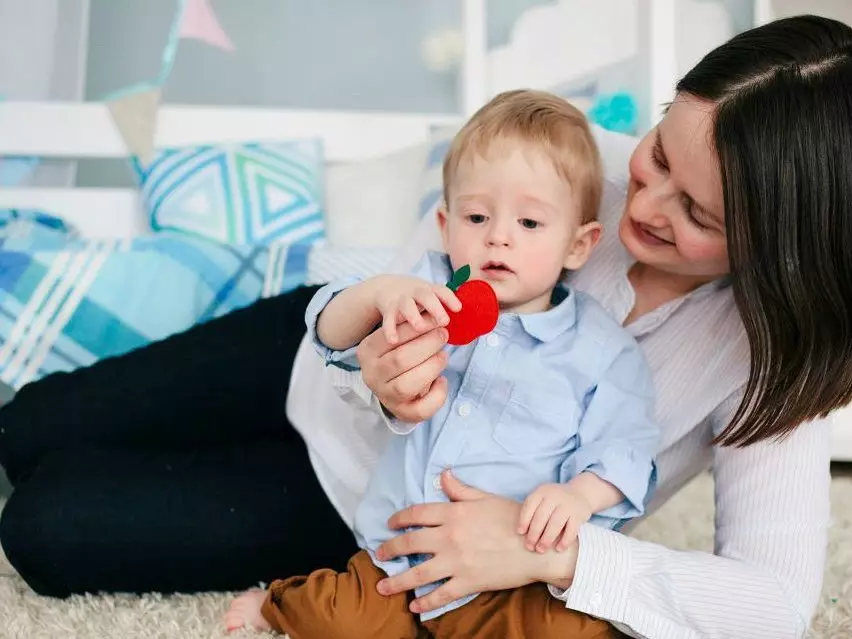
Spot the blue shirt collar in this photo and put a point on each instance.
(549, 324)
(545, 325)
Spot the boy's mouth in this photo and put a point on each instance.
(496, 268)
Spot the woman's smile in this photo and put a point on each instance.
(644, 235)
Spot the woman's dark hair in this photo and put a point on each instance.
(783, 132)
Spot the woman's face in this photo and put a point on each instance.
(674, 218)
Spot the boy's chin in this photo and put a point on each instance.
(514, 302)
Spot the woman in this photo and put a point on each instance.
(176, 468)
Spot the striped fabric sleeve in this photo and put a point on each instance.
(763, 579)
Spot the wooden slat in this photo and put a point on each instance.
(86, 130)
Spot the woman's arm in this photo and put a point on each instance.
(763, 580)
(405, 379)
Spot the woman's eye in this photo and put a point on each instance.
(695, 221)
(689, 208)
(529, 224)
(658, 161)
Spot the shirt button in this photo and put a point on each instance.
(436, 482)
(596, 599)
(464, 410)
(492, 340)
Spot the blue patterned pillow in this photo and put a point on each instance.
(68, 304)
(238, 193)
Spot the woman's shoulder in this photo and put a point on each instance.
(708, 327)
(723, 315)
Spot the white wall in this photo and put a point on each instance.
(27, 31)
(42, 54)
(837, 9)
(313, 54)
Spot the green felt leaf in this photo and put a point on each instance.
(459, 277)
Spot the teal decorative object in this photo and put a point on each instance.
(615, 112)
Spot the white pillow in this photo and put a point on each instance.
(328, 262)
(425, 237)
(373, 203)
(432, 185)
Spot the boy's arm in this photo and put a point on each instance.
(618, 435)
(553, 513)
(349, 316)
(342, 364)
(342, 313)
(599, 493)
(344, 359)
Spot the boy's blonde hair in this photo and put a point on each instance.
(544, 120)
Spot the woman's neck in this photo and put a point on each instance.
(654, 288)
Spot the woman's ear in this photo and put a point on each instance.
(586, 238)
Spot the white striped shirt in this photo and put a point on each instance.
(772, 498)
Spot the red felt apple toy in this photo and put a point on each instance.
(479, 311)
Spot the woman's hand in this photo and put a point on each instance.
(474, 544)
(406, 377)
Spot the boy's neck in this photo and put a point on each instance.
(537, 305)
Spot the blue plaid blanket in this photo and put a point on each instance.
(66, 301)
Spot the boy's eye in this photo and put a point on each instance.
(476, 218)
(529, 224)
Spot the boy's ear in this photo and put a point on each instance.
(443, 225)
(585, 240)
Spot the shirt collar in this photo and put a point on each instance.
(549, 324)
(543, 326)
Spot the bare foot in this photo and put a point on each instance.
(245, 612)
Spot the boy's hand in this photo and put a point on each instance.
(551, 513)
(402, 298)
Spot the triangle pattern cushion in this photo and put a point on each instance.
(197, 202)
(238, 193)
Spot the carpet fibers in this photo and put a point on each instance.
(685, 522)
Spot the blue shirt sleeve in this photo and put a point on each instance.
(342, 359)
(618, 437)
(425, 269)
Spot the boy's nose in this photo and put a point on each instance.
(498, 235)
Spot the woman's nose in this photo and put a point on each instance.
(648, 206)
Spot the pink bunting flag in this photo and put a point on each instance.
(199, 22)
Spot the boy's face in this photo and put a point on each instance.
(516, 222)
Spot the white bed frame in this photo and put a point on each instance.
(86, 130)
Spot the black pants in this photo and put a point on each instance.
(170, 469)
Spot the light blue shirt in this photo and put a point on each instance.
(540, 399)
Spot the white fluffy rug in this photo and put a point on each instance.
(685, 522)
